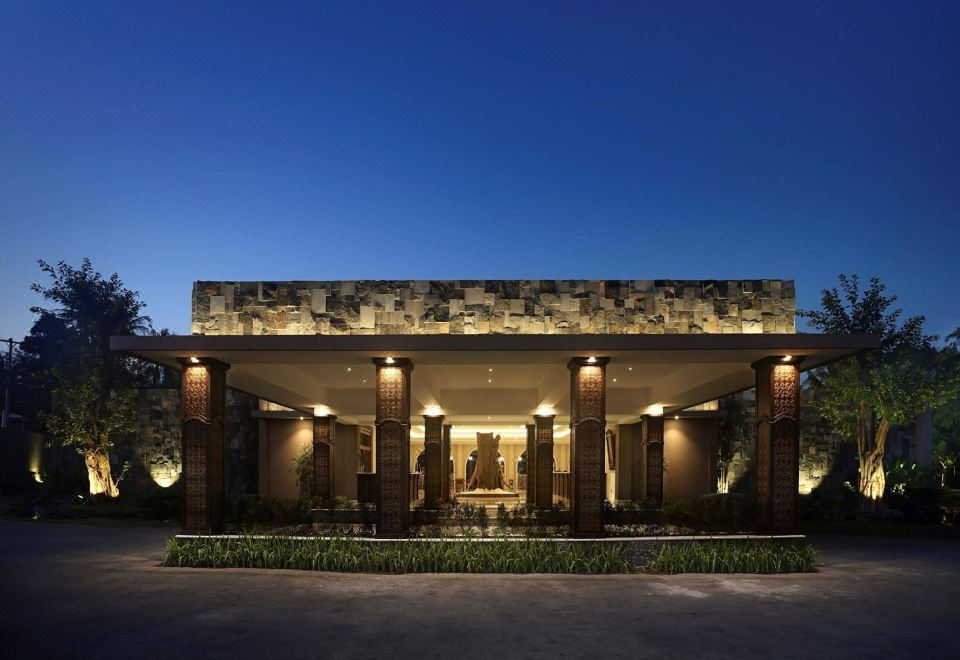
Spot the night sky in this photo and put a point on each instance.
(185, 141)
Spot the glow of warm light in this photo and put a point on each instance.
(490, 369)
(389, 360)
(592, 359)
(322, 411)
(676, 416)
(195, 359)
(786, 358)
(164, 475)
(655, 410)
(544, 411)
(433, 411)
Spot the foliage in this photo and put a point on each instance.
(721, 513)
(355, 556)
(68, 351)
(736, 557)
(946, 426)
(732, 434)
(863, 396)
(303, 469)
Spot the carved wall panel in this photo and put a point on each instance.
(324, 431)
(653, 457)
(543, 480)
(587, 426)
(778, 444)
(393, 445)
(433, 455)
(532, 464)
(196, 394)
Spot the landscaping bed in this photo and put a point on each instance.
(495, 555)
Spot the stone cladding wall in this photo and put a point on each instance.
(388, 307)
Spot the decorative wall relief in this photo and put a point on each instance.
(388, 307)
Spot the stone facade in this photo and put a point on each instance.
(382, 307)
(157, 446)
(155, 453)
(821, 452)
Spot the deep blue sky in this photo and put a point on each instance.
(191, 141)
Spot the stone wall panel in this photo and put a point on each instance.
(389, 307)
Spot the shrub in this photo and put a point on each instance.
(353, 556)
(736, 557)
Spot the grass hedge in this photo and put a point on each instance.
(354, 556)
(736, 557)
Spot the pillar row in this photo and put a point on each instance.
(203, 403)
(588, 394)
(324, 439)
(778, 442)
(393, 444)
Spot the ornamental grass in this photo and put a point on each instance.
(735, 557)
(355, 556)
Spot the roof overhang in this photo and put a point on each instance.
(473, 377)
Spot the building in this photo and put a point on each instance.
(598, 389)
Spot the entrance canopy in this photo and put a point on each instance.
(484, 379)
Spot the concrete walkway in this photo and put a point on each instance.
(76, 591)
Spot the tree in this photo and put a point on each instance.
(93, 389)
(946, 424)
(864, 395)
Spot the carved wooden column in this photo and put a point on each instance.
(203, 402)
(778, 442)
(324, 441)
(393, 444)
(652, 430)
(543, 453)
(433, 460)
(531, 463)
(588, 394)
(445, 465)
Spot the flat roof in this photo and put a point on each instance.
(499, 377)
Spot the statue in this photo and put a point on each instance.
(487, 474)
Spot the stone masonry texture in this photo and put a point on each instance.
(400, 307)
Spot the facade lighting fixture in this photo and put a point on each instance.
(195, 359)
(786, 358)
(592, 359)
(389, 360)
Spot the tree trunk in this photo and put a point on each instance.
(872, 477)
(98, 473)
(486, 473)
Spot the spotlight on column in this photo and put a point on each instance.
(432, 411)
(592, 359)
(389, 359)
(787, 358)
(195, 359)
(321, 411)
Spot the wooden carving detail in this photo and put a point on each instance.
(653, 454)
(393, 446)
(588, 475)
(195, 513)
(394, 478)
(543, 479)
(196, 394)
(778, 444)
(432, 452)
(587, 425)
(323, 430)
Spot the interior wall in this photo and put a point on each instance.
(280, 442)
(690, 449)
(345, 459)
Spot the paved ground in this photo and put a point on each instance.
(99, 592)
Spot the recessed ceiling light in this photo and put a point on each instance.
(389, 360)
(591, 359)
(195, 360)
(629, 368)
(489, 380)
(490, 369)
(614, 380)
(349, 368)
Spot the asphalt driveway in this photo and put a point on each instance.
(77, 591)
